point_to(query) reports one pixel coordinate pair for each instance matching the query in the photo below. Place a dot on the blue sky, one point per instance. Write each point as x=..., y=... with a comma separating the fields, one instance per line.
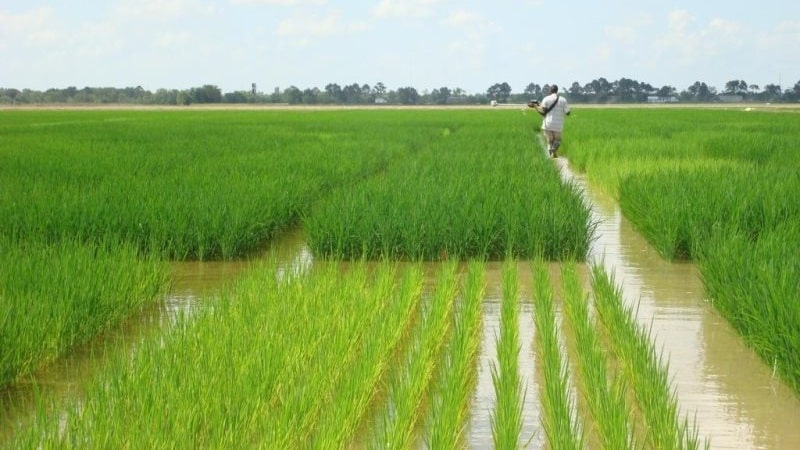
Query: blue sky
x=425, y=44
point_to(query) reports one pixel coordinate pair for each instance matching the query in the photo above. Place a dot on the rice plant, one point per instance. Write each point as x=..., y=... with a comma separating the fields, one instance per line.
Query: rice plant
x=481, y=190
x=56, y=296
x=258, y=368
x=558, y=411
x=507, y=417
x=410, y=381
x=754, y=283
x=643, y=369
x=452, y=394
x=603, y=393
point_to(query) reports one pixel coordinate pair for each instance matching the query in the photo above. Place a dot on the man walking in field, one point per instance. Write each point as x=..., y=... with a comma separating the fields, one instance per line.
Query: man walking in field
x=554, y=108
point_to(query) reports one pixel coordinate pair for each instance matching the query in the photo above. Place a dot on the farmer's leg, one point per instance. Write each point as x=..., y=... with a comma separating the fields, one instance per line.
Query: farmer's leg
x=555, y=143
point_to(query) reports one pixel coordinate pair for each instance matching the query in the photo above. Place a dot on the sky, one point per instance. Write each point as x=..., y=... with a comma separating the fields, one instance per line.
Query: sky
x=425, y=44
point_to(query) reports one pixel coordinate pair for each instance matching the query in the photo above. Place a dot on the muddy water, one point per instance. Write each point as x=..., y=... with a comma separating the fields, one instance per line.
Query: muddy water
x=736, y=401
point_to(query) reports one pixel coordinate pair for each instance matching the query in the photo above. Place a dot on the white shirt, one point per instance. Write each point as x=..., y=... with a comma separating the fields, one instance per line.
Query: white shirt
x=554, y=120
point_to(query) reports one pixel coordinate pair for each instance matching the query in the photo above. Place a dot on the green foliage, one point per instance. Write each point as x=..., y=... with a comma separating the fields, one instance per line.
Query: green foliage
x=558, y=419
x=479, y=189
x=755, y=283
x=183, y=184
x=53, y=297
x=642, y=368
x=507, y=417
x=719, y=187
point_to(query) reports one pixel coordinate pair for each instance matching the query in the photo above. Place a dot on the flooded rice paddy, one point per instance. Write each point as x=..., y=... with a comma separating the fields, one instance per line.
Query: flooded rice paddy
x=732, y=395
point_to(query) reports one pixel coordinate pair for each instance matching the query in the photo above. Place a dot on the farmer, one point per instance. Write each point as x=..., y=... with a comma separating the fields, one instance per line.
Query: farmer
x=554, y=108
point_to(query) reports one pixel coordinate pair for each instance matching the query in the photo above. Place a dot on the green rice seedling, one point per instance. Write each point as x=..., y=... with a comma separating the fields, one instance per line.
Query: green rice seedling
x=186, y=184
x=558, y=415
x=507, y=417
x=754, y=285
x=643, y=369
x=53, y=297
x=258, y=368
x=679, y=217
x=349, y=401
x=604, y=397
x=409, y=383
x=450, y=402
x=481, y=190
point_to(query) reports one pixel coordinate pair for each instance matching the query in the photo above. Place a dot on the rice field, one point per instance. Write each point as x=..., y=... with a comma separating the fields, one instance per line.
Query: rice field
x=377, y=342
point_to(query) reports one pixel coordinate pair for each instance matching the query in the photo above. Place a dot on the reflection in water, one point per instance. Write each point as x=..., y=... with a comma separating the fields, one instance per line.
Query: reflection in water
x=721, y=383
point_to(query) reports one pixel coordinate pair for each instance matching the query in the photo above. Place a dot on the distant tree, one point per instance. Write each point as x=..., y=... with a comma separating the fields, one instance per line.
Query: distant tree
x=292, y=95
x=351, y=94
x=407, y=96
x=772, y=92
x=237, y=97
x=310, y=96
x=206, y=94
x=440, y=96
x=576, y=92
x=379, y=90
x=12, y=94
x=736, y=87
x=600, y=89
x=334, y=91
x=499, y=92
x=534, y=91
x=666, y=92
x=700, y=92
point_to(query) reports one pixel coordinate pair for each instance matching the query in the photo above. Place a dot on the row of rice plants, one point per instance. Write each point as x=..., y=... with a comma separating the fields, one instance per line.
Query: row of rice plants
x=507, y=417
x=173, y=184
x=678, y=217
x=452, y=394
x=643, y=370
x=558, y=410
x=754, y=283
x=481, y=190
x=53, y=297
x=610, y=144
x=274, y=363
x=190, y=185
x=411, y=380
x=742, y=191
x=604, y=393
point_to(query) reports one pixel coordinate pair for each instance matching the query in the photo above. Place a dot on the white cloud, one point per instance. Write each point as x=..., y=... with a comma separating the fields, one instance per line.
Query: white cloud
x=163, y=9
x=35, y=27
x=173, y=40
x=405, y=8
x=279, y=2
x=688, y=44
x=305, y=29
x=622, y=33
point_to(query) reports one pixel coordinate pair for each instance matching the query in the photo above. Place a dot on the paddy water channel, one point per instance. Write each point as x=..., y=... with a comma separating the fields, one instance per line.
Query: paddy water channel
x=732, y=395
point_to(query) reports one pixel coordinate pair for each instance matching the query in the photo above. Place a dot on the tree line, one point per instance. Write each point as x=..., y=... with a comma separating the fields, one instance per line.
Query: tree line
x=600, y=90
